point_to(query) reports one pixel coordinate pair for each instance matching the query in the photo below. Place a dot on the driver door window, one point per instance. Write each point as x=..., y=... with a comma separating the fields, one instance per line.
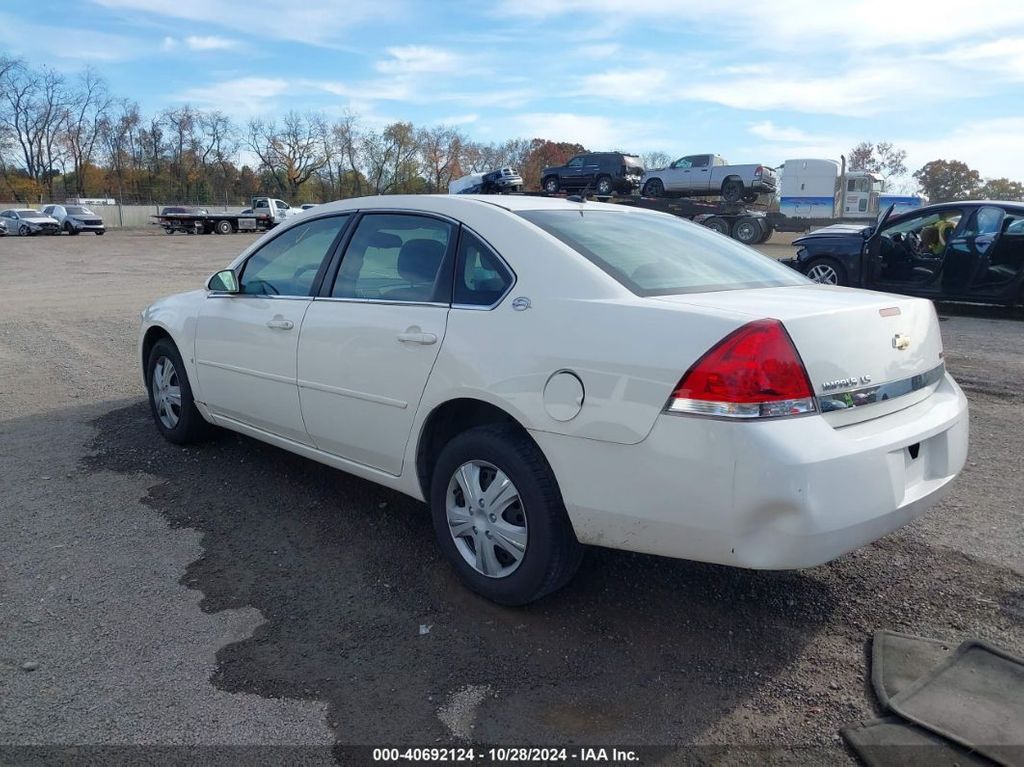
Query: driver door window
x=913, y=250
x=287, y=265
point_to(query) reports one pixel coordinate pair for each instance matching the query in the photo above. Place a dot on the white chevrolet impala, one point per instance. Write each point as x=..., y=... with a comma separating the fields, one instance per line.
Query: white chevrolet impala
x=547, y=374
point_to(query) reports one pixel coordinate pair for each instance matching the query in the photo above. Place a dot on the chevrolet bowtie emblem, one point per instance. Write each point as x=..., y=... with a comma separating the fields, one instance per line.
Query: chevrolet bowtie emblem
x=900, y=342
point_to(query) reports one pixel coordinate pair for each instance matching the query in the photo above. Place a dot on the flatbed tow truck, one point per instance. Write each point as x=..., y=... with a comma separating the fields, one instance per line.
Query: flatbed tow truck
x=265, y=213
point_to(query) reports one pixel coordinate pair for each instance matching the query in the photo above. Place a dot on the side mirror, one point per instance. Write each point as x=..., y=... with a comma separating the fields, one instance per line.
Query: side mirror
x=223, y=282
x=866, y=233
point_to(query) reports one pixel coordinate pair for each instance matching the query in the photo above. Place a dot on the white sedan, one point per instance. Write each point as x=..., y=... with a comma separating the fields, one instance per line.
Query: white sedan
x=547, y=374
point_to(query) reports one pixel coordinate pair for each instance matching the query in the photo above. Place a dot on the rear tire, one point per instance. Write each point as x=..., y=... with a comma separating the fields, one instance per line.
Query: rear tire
x=750, y=197
x=530, y=511
x=170, y=396
x=747, y=230
x=70, y=229
x=551, y=185
x=717, y=224
x=101, y=232
x=732, y=190
x=827, y=271
x=223, y=227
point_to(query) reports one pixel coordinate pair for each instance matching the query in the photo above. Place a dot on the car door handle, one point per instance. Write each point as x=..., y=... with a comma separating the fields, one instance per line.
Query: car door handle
x=278, y=323
x=415, y=336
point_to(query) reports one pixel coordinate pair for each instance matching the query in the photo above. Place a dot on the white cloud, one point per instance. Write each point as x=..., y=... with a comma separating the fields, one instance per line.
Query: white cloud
x=65, y=44
x=770, y=132
x=210, y=43
x=326, y=22
x=632, y=86
x=169, y=44
x=994, y=148
x=242, y=97
x=459, y=119
x=595, y=132
x=415, y=59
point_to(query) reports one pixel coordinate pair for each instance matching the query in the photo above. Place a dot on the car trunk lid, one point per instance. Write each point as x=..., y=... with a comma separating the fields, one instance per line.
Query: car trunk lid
x=859, y=347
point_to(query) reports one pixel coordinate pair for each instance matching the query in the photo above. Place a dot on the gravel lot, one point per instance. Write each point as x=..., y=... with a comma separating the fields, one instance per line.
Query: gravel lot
x=235, y=594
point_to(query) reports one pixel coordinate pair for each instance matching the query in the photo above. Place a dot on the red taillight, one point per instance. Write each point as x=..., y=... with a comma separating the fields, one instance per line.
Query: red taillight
x=758, y=170
x=754, y=372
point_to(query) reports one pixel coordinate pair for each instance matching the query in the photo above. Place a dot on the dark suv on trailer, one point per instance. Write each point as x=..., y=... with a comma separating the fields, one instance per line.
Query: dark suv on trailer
x=602, y=172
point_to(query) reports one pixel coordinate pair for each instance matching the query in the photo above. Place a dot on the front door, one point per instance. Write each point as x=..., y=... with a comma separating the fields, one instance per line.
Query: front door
x=369, y=341
x=913, y=254
x=677, y=176
x=573, y=174
x=246, y=342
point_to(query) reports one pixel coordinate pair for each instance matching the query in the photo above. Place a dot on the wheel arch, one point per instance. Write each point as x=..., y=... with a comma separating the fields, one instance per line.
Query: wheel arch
x=449, y=419
x=733, y=177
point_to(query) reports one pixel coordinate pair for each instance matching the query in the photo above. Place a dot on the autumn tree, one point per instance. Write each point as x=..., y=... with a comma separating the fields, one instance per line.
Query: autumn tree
x=1001, y=189
x=544, y=153
x=943, y=180
x=84, y=118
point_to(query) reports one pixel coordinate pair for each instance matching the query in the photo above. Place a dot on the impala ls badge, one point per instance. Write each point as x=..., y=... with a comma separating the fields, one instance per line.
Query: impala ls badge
x=845, y=383
x=900, y=342
x=521, y=304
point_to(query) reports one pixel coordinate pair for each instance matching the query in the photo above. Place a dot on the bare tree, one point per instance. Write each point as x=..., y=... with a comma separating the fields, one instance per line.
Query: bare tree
x=292, y=153
x=440, y=148
x=34, y=104
x=83, y=120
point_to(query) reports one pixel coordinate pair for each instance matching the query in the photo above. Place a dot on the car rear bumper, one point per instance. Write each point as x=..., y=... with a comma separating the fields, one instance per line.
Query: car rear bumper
x=781, y=494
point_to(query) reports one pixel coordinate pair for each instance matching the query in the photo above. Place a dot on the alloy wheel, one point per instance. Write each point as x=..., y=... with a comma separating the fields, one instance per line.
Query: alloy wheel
x=166, y=392
x=823, y=273
x=486, y=519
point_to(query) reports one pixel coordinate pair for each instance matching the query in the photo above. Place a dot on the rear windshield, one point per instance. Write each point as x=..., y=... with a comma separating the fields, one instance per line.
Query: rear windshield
x=654, y=255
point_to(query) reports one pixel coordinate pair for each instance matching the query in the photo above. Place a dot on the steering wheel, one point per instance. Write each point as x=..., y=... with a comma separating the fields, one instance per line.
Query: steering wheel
x=913, y=242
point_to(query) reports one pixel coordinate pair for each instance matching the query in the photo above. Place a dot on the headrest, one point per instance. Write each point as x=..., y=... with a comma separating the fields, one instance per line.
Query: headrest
x=385, y=240
x=419, y=260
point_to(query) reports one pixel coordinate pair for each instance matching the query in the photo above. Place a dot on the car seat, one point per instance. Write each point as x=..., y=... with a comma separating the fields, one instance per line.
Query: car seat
x=418, y=263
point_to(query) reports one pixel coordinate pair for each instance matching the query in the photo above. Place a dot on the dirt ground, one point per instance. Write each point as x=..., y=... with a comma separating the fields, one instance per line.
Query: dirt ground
x=234, y=594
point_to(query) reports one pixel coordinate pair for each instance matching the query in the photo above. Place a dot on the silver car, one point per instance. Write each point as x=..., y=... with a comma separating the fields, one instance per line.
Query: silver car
x=26, y=221
x=75, y=219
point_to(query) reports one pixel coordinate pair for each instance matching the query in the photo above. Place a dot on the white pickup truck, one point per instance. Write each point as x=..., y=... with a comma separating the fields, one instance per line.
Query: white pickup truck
x=700, y=175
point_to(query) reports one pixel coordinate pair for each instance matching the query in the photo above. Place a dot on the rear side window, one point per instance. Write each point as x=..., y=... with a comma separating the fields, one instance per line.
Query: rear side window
x=396, y=257
x=481, y=279
x=653, y=255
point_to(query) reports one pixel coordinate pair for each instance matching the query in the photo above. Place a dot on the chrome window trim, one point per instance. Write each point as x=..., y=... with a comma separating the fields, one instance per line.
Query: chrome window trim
x=222, y=294
x=384, y=301
x=876, y=394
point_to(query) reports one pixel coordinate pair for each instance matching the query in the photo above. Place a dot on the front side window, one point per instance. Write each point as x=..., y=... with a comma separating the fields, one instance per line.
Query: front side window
x=653, y=255
x=682, y=163
x=575, y=162
x=481, y=279
x=287, y=265
x=396, y=257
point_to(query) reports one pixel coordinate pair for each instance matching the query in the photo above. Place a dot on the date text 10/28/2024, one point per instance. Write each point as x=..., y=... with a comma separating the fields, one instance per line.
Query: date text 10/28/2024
x=505, y=754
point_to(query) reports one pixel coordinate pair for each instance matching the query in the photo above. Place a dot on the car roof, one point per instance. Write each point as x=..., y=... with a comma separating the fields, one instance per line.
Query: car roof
x=1009, y=204
x=451, y=204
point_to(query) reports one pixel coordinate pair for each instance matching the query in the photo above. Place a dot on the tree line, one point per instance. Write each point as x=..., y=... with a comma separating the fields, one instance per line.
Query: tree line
x=65, y=136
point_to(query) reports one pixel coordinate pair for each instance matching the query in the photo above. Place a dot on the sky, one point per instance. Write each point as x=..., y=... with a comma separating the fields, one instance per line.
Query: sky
x=762, y=82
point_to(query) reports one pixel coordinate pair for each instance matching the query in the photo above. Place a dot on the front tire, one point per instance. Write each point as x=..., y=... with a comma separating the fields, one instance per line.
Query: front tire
x=512, y=543
x=604, y=186
x=654, y=188
x=826, y=271
x=24, y=231
x=170, y=396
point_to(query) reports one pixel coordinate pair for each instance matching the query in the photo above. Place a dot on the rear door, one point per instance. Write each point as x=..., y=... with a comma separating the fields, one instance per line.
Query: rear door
x=369, y=340
x=246, y=342
x=994, y=239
